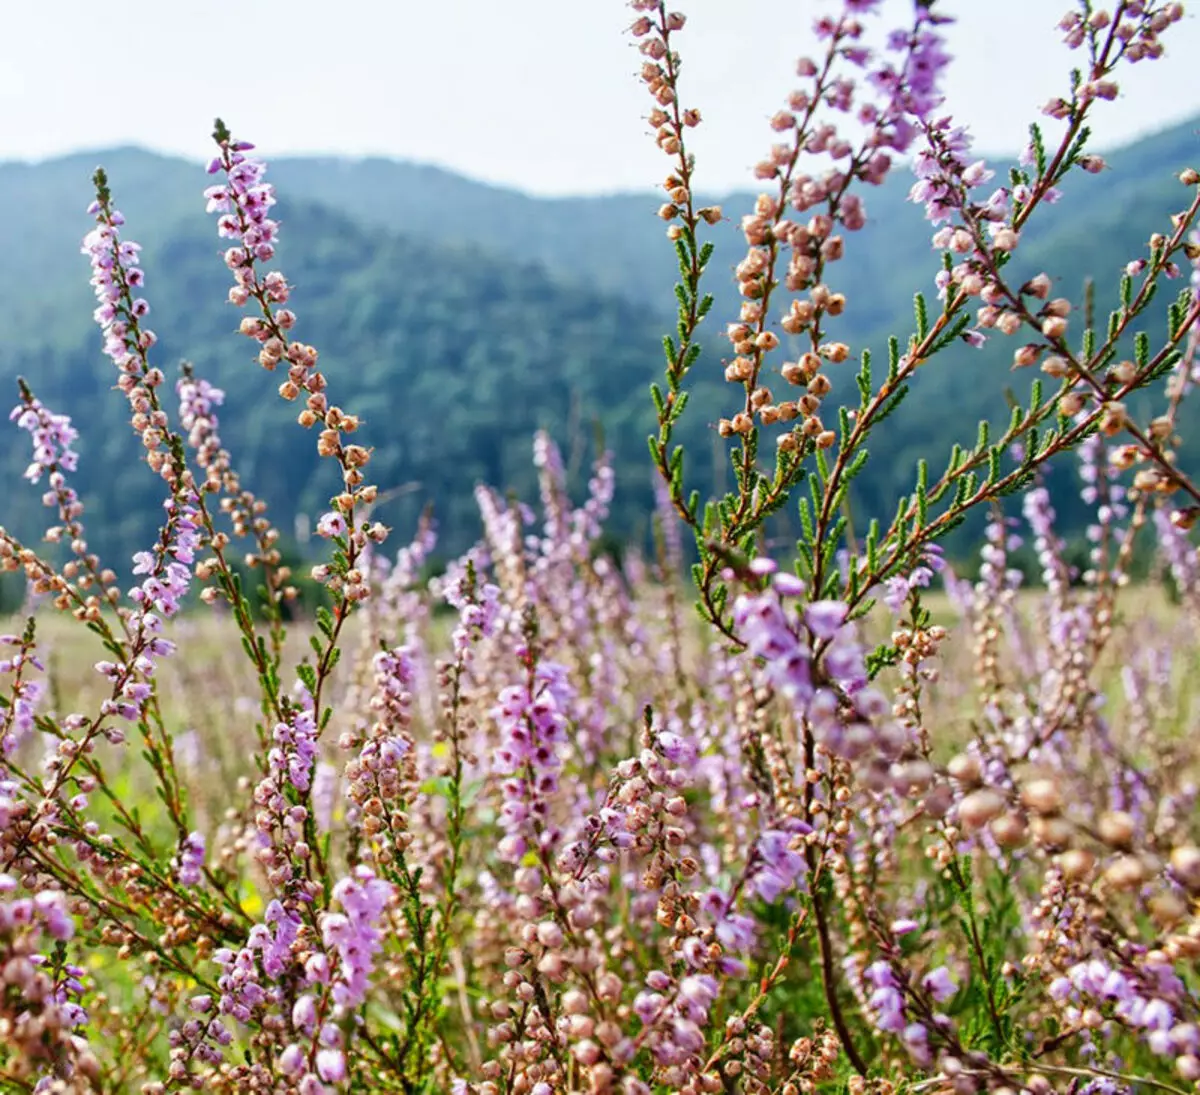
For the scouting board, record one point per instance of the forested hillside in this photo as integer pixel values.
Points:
(456, 318)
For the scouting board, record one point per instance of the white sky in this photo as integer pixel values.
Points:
(536, 94)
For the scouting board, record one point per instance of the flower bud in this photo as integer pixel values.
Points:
(1054, 327)
(1026, 355)
(1184, 519)
(549, 934)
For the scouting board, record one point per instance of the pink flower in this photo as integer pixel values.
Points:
(331, 524)
(331, 1065)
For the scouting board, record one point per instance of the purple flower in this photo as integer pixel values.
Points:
(533, 726)
(331, 524)
(939, 985)
(763, 626)
(735, 931)
(52, 434)
(244, 201)
(916, 1040)
(788, 585)
(780, 865)
(291, 1060)
(886, 1001)
(331, 1065)
(168, 567)
(354, 934)
(189, 861)
(825, 618)
(898, 588)
(478, 610)
(114, 270)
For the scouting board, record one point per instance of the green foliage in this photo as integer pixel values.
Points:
(12, 593)
(991, 929)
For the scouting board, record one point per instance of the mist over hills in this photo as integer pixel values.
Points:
(456, 318)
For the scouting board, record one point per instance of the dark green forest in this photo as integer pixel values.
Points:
(457, 318)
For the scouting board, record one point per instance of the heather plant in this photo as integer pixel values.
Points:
(531, 827)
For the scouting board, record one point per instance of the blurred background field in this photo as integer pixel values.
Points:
(210, 703)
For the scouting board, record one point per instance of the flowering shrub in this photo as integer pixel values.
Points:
(848, 833)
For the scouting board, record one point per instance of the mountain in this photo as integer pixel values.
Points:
(457, 317)
(452, 359)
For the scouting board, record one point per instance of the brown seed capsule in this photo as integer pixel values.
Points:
(1010, 830)
(980, 807)
(1150, 479)
(1072, 403)
(966, 769)
(1042, 796)
(1052, 832)
(912, 776)
(1116, 829)
(819, 385)
(938, 801)
(1076, 864)
(1026, 355)
(1185, 862)
(1054, 326)
(1167, 909)
(1123, 372)
(1161, 427)
(1126, 872)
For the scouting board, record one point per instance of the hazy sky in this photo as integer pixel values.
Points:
(538, 94)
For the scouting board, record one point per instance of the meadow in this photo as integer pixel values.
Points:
(706, 815)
